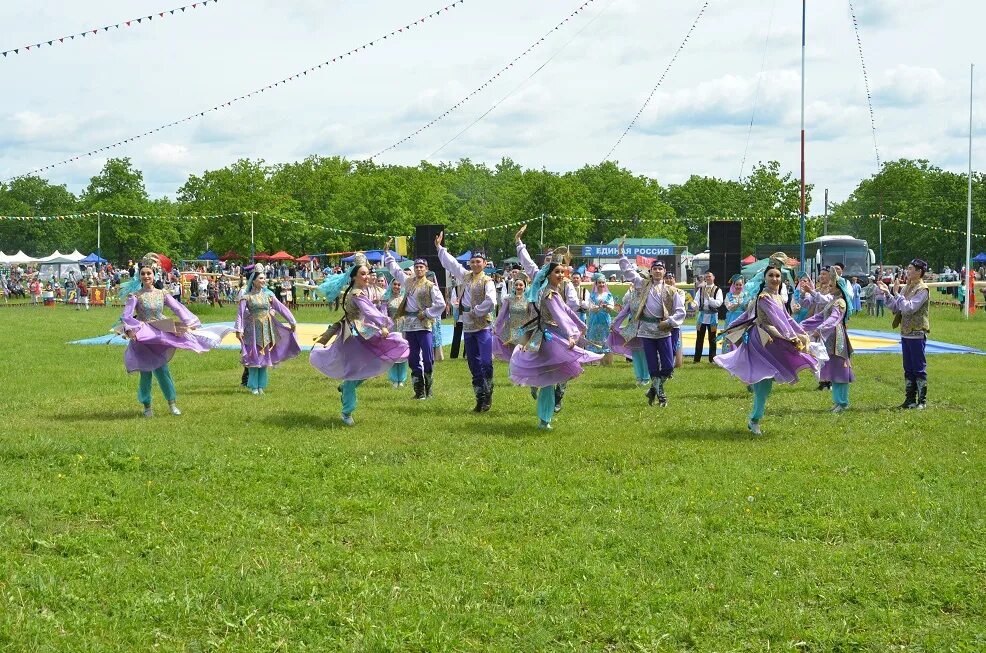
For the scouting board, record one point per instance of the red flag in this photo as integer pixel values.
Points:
(644, 262)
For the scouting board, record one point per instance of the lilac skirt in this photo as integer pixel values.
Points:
(357, 358)
(554, 363)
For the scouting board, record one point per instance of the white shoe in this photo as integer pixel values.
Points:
(545, 425)
(396, 385)
(261, 391)
(148, 412)
(255, 391)
(348, 420)
(839, 408)
(173, 407)
(754, 427)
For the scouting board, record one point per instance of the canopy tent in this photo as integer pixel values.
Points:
(54, 256)
(3, 258)
(93, 258)
(510, 260)
(749, 259)
(374, 256)
(464, 257)
(208, 256)
(303, 259)
(21, 257)
(281, 256)
(979, 258)
(231, 254)
(261, 256)
(76, 255)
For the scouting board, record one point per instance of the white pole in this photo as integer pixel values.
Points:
(99, 238)
(970, 289)
(542, 232)
(804, 11)
(252, 250)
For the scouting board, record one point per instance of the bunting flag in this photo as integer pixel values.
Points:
(928, 226)
(304, 73)
(95, 31)
(489, 81)
(105, 214)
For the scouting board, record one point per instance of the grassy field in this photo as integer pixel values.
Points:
(262, 524)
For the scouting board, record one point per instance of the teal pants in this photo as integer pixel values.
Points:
(546, 403)
(398, 373)
(163, 376)
(761, 390)
(257, 378)
(349, 396)
(840, 394)
(640, 365)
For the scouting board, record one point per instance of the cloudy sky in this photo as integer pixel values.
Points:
(562, 105)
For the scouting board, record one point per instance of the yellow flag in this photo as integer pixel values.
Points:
(401, 245)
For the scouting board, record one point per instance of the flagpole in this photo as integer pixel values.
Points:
(804, 6)
(971, 287)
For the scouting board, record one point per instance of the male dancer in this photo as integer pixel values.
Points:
(661, 310)
(477, 299)
(910, 308)
(421, 305)
(708, 301)
(815, 301)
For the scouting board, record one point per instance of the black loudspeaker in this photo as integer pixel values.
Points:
(724, 252)
(424, 247)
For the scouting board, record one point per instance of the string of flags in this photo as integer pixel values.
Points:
(333, 229)
(674, 58)
(106, 214)
(932, 227)
(95, 31)
(304, 73)
(489, 81)
(485, 229)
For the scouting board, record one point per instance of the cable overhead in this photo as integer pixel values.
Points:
(866, 82)
(218, 107)
(519, 86)
(674, 57)
(489, 81)
(756, 94)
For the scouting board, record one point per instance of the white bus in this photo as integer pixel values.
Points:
(853, 254)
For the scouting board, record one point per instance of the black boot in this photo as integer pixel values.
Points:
(652, 392)
(419, 387)
(428, 385)
(480, 398)
(824, 385)
(910, 395)
(534, 393)
(559, 395)
(487, 396)
(662, 399)
(922, 388)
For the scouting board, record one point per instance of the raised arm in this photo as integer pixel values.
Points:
(451, 266)
(900, 304)
(530, 267)
(283, 310)
(183, 314)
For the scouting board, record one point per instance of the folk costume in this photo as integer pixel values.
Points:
(397, 375)
(477, 300)
(910, 307)
(659, 311)
(264, 341)
(359, 345)
(829, 327)
(546, 356)
(769, 346)
(514, 313)
(422, 306)
(734, 307)
(708, 299)
(632, 349)
(601, 304)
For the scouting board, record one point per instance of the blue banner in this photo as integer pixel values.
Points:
(612, 251)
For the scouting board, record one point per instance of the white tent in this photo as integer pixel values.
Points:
(54, 256)
(76, 256)
(21, 257)
(3, 258)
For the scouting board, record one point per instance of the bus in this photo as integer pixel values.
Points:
(853, 254)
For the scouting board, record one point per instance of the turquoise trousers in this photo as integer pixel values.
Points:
(163, 376)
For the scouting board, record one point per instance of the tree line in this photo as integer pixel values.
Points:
(297, 202)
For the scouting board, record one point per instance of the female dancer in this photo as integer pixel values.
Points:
(829, 326)
(734, 306)
(153, 339)
(264, 341)
(360, 345)
(398, 371)
(769, 345)
(515, 312)
(547, 354)
(601, 303)
(633, 349)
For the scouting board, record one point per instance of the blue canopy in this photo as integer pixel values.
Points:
(208, 256)
(979, 258)
(374, 256)
(464, 258)
(93, 258)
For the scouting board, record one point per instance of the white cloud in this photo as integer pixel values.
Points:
(907, 86)
(168, 154)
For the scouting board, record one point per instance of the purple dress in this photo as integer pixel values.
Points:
(546, 360)
(357, 350)
(617, 343)
(150, 347)
(828, 322)
(514, 314)
(266, 342)
(758, 355)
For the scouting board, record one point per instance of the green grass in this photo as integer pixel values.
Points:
(260, 523)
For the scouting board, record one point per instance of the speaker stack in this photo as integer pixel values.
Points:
(424, 247)
(724, 250)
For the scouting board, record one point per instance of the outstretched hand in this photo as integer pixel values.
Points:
(439, 238)
(520, 232)
(623, 240)
(386, 245)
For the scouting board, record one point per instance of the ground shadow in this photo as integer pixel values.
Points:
(737, 433)
(88, 416)
(300, 420)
